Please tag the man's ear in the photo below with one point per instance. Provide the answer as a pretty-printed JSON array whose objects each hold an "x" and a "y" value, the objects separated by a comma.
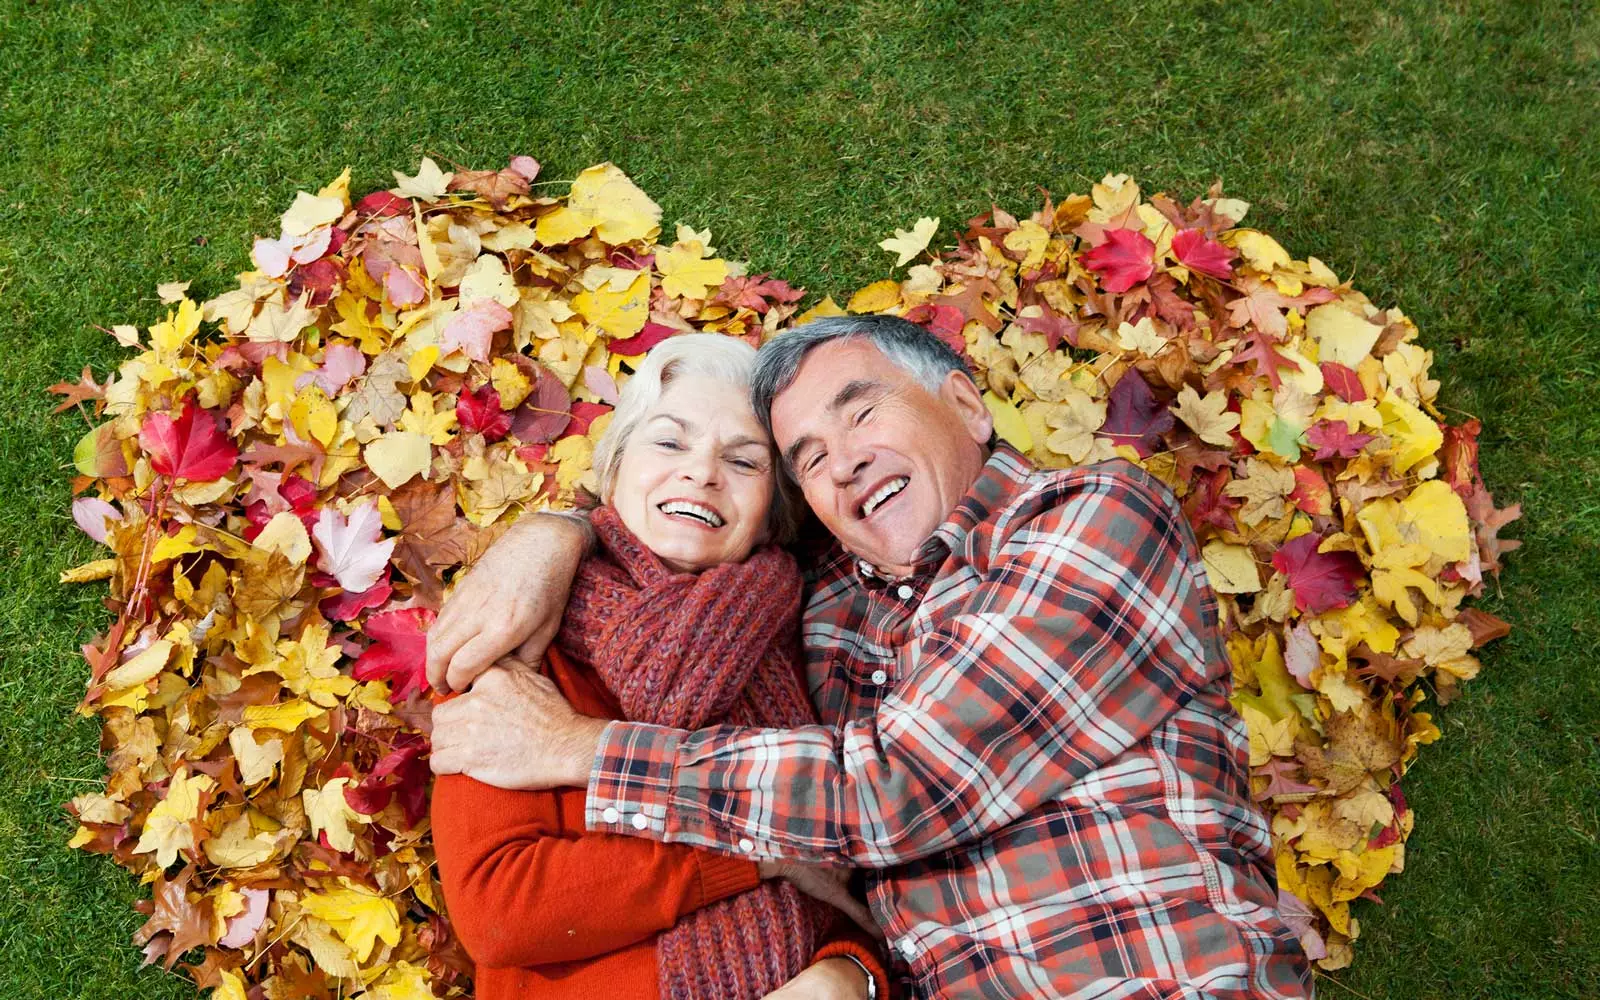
[{"x": 959, "y": 392}]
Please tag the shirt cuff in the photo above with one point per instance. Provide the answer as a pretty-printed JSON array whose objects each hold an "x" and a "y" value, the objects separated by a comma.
[{"x": 630, "y": 781}]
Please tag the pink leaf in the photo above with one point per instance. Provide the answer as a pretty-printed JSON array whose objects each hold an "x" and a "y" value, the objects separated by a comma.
[
  {"x": 353, "y": 550},
  {"x": 93, "y": 515},
  {"x": 398, "y": 653},
  {"x": 1126, "y": 258},
  {"x": 193, "y": 447},
  {"x": 1206, "y": 256},
  {"x": 1301, "y": 654},
  {"x": 472, "y": 329},
  {"x": 527, "y": 166},
  {"x": 340, "y": 364},
  {"x": 242, "y": 927},
  {"x": 272, "y": 256},
  {"x": 599, "y": 381},
  {"x": 1321, "y": 581}
]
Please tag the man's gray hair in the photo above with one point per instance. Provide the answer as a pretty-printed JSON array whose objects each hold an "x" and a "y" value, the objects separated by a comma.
[{"x": 924, "y": 356}]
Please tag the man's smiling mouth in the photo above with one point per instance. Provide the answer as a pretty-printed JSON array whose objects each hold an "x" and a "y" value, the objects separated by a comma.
[
  {"x": 697, "y": 512},
  {"x": 882, "y": 495}
]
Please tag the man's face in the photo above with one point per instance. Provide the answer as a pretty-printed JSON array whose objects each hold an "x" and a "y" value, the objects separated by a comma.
[{"x": 882, "y": 460}]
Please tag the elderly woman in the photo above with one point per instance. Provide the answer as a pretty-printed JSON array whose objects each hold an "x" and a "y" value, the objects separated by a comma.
[{"x": 684, "y": 615}]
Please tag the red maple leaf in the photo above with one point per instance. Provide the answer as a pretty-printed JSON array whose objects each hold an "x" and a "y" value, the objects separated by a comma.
[
  {"x": 480, "y": 412},
  {"x": 192, "y": 447},
  {"x": 398, "y": 652},
  {"x": 584, "y": 414},
  {"x": 1333, "y": 439},
  {"x": 1126, "y": 258},
  {"x": 943, "y": 321},
  {"x": 402, "y": 771},
  {"x": 1321, "y": 581},
  {"x": 1259, "y": 348},
  {"x": 1206, "y": 256},
  {"x": 756, "y": 293}
]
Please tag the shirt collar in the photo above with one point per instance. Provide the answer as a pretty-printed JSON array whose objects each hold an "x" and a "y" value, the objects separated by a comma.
[{"x": 1001, "y": 479}]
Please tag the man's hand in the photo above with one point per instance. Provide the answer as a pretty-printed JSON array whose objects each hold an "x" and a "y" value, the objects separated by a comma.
[
  {"x": 826, "y": 883},
  {"x": 514, "y": 730},
  {"x": 512, "y": 599},
  {"x": 829, "y": 979}
]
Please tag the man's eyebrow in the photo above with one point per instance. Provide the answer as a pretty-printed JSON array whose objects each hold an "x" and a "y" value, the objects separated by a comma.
[
  {"x": 852, "y": 391},
  {"x": 746, "y": 440},
  {"x": 793, "y": 451}
]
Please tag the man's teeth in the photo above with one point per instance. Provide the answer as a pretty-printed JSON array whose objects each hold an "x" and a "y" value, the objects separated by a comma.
[
  {"x": 694, "y": 510},
  {"x": 883, "y": 493}
]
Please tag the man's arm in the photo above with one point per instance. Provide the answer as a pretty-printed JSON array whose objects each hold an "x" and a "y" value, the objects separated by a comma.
[
  {"x": 511, "y": 599},
  {"x": 1093, "y": 626}
]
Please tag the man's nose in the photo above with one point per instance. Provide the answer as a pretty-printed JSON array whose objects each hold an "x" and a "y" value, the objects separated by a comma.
[{"x": 845, "y": 465}]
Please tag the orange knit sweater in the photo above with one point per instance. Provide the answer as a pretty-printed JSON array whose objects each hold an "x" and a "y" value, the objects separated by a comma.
[{"x": 549, "y": 910}]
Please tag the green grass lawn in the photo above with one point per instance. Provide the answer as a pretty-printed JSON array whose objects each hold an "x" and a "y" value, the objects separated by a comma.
[{"x": 1434, "y": 150}]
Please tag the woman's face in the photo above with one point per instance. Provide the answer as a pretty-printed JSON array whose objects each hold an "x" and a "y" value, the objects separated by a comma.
[{"x": 696, "y": 477}]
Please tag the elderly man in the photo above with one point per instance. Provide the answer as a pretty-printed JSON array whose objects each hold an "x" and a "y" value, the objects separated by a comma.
[{"x": 1026, "y": 739}]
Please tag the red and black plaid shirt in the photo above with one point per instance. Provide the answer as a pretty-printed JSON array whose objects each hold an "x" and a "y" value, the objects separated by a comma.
[{"x": 1028, "y": 743}]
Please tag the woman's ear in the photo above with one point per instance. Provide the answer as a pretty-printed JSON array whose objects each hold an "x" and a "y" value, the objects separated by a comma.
[{"x": 962, "y": 395}]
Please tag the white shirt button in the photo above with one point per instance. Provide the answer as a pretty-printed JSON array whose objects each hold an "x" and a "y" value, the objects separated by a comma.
[
  {"x": 610, "y": 815},
  {"x": 905, "y": 592},
  {"x": 747, "y": 845},
  {"x": 639, "y": 822},
  {"x": 879, "y": 676},
  {"x": 908, "y": 949}
]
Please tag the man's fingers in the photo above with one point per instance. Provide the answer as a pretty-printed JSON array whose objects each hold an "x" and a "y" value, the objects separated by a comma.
[
  {"x": 444, "y": 638},
  {"x": 533, "y": 649},
  {"x": 473, "y": 657}
]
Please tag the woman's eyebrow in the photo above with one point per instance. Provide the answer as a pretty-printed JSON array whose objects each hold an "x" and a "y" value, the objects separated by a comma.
[{"x": 684, "y": 425}]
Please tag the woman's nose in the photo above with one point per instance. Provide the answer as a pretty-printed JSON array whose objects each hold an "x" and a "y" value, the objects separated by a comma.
[{"x": 700, "y": 467}]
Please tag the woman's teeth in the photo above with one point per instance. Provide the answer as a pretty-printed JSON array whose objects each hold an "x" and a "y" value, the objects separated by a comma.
[
  {"x": 883, "y": 493},
  {"x": 694, "y": 510}
]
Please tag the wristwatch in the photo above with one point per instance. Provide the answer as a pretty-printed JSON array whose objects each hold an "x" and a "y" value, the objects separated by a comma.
[{"x": 872, "y": 981}]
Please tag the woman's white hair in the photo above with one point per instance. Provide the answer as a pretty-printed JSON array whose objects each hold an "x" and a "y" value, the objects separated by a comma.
[{"x": 712, "y": 355}]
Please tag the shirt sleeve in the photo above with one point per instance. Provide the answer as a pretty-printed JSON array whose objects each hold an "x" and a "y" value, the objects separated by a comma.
[
  {"x": 520, "y": 894},
  {"x": 1093, "y": 623}
]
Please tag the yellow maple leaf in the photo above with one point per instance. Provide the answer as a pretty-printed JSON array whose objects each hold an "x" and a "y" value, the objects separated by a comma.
[
  {"x": 1342, "y": 336},
  {"x": 287, "y": 717},
  {"x": 328, "y": 812},
  {"x": 166, "y": 829},
  {"x": 1008, "y": 422},
  {"x": 619, "y": 305},
  {"x": 606, "y": 202},
  {"x": 360, "y": 917},
  {"x": 285, "y": 533},
  {"x": 423, "y": 417},
  {"x": 907, "y": 243},
  {"x": 687, "y": 273}
]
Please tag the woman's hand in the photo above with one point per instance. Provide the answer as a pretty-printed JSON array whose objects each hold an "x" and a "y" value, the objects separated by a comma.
[
  {"x": 829, "y": 979},
  {"x": 512, "y": 599},
  {"x": 826, "y": 883},
  {"x": 513, "y": 729}
]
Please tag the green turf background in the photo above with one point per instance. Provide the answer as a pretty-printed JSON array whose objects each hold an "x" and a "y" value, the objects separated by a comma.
[{"x": 1442, "y": 152}]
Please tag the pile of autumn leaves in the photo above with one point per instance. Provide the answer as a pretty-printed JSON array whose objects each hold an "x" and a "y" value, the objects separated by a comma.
[{"x": 290, "y": 475}]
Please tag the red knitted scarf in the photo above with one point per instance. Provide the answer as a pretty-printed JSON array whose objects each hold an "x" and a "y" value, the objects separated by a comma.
[{"x": 688, "y": 651}]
